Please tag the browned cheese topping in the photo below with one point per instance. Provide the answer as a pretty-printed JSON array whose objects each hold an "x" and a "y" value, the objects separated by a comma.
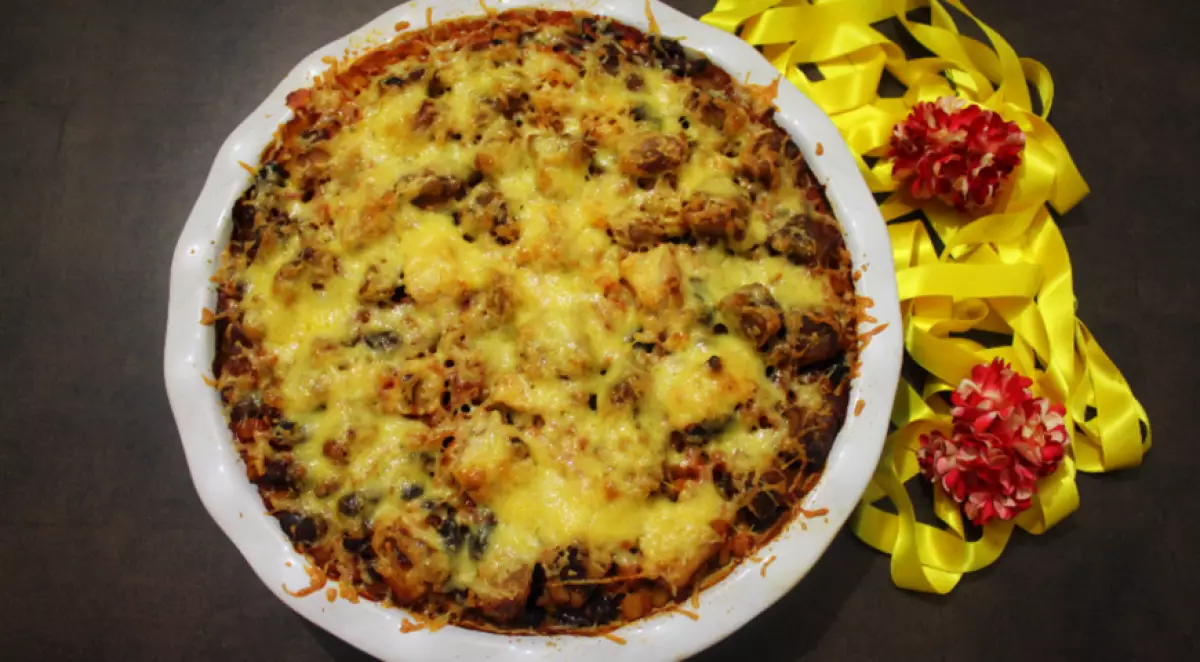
[{"x": 533, "y": 322}]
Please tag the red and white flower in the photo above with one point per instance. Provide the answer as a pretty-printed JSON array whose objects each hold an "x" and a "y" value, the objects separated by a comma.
[
  {"x": 958, "y": 153},
  {"x": 1002, "y": 442}
]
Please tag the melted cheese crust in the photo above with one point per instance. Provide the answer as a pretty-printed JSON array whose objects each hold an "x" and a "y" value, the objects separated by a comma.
[{"x": 480, "y": 318}]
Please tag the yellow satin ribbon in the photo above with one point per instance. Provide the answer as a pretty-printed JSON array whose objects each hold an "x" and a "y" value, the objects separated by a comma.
[{"x": 1006, "y": 272}]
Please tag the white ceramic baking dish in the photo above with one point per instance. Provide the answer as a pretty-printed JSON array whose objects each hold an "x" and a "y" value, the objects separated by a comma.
[{"x": 233, "y": 502}]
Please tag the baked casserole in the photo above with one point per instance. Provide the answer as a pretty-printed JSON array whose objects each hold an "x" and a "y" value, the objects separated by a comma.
[{"x": 533, "y": 322}]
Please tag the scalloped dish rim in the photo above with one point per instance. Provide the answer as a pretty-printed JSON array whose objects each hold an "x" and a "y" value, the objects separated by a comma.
[{"x": 220, "y": 478}]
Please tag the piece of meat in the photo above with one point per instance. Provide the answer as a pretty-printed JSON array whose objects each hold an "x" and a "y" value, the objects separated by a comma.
[
  {"x": 809, "y": 240},
  {"x": 814, "y": 430},
  {"x": 764, "y": 510},
  {"x": 811, "y": 338},
  {"x": 713, "y": 219},
  {"x": 435, "y": 190},
  {"x": 755, "y": 312},
  {"x": 710, "y": 110},
  {"x": 654, "y": 154},
  {"x": 640, "y": 234},
  {"x": 760, "y": 162}
]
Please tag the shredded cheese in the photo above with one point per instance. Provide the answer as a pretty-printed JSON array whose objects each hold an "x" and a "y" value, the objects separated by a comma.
[{"x": 460, "y": 309}]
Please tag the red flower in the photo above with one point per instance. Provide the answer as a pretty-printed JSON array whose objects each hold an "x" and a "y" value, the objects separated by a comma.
[
  {"x": 960, "y": 154},
  {"x": 992, "y": 391},
  {"x": 1003, "y": 441}
]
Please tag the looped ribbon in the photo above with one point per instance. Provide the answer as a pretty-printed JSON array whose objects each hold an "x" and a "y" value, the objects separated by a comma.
[{"x": 1007, "y": 272}]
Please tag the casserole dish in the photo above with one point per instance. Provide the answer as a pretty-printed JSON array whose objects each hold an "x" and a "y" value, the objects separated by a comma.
[{"x": 217, "y": 474}]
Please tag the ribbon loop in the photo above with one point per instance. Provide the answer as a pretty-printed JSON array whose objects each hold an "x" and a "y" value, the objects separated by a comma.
[{"x": 1006, "y": 272}]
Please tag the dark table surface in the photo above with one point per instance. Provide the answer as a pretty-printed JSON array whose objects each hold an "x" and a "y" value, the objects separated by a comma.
[{"x": 111, "y": 113}]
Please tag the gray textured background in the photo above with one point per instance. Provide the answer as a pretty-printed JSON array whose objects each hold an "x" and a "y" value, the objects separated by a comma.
[{"x": 110, "y": 114}]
